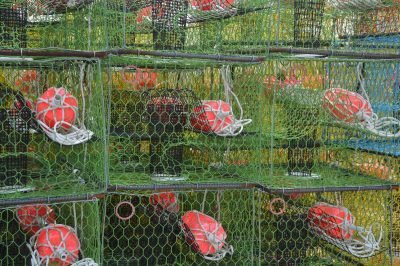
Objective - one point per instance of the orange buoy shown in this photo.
(34, 217)
(57, 107)
(347, 106)
(334, 221)
(57, 244)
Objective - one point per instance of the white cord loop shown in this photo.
(357, 240)
(366, 119)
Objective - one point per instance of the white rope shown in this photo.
(362, 243)
(378, 126)
(75, 135)
(235, 127)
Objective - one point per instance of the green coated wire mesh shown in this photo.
(317, 138)
(180, 228)
(52, 127)
(50, 230)
(67, 24)
(205, 227)
(164, 125)
(326, 228)
(299, 152)
(174, 128)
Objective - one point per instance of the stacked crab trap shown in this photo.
(199, 132)
(52, 138)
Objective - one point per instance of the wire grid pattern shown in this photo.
(287, 238)
(152, 233)
(13, 25)
(146, 135)
(292, 141)
(30, 160)
(312, 147)
(64, 24)
(18, 224)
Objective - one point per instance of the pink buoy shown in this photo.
(347, 106)
(335, 221)
(212, 116)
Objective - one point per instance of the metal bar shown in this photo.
(360, 55)
(103, 54)
(321, 52)
(175, 54)
(53, 53)
(326, 189)
(181, 187)
(49, 200)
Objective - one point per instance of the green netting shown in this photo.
(156, 141)
(33, 157)
(146, 228)
(296, 229)
(294, 139)
(47, 23)
(21, 223)
(188, 110)
(233, 226)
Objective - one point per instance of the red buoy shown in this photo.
(347, 106)
(204, 234)
(57, 106)
(335, 221)
(165, 201)
(212, 116)
(34, 217)
(57, 244)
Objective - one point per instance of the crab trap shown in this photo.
(196, 25)
(183, 122)
(331, 123)
(180, 228)
(47, 234)
(52, 128)
(66, 24)
(322, 25)
(326, 228)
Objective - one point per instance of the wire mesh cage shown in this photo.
(315, 119)
(62, 233)
(180, 227)
(192, 26)
(66, 24)
(308, 16)
(13, 22)
(183, 124)
(326, 228)
(169, 24)
(335, 26)
(52, 127)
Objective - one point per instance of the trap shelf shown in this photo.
(328, 177)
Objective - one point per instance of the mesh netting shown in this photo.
(308, 22)
(13, 24)
(41, 234)
(229, 132)
(45, 146)
(180, 227)
(326, 228)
